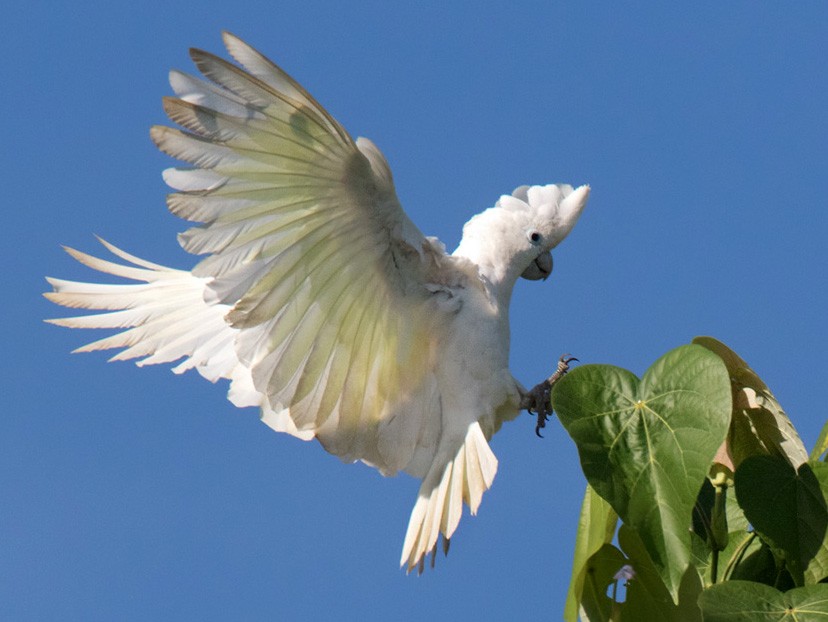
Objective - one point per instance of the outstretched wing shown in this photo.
(307, 242)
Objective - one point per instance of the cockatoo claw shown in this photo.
(537, 400)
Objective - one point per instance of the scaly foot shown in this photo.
(537, 399)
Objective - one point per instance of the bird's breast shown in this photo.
(474, 357)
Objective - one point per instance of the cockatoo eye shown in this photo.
(535, 237)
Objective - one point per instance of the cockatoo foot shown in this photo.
(537, 400)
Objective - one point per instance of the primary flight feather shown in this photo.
(318, 298)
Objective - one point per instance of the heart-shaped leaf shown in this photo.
(788, 509)
(646, 445)
(760, 426)
(746, 601)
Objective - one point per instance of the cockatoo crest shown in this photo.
(318, 298)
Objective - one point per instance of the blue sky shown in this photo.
(137, 494)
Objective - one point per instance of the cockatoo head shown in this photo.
(514, 238)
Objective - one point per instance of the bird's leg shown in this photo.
(537, 400)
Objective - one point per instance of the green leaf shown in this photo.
(759, 564)
(821, 445)
(760, 426)
(596, 527)
(744, 601)
(646, 446)
(736, 520)
(600, 569)
(647, 596)
(788, 509)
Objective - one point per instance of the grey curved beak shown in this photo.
(539, 269)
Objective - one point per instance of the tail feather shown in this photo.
(464, 478)
(164, 316)
(168, 315)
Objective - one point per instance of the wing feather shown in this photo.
(254, 134)
(304, 240)
(303, 119)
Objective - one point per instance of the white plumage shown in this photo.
(318, 298)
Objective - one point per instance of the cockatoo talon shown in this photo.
(563, 367)
(566, 359)
(537, 400)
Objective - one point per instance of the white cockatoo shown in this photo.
(318, 298)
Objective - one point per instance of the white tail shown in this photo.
(439, 505)
(165, 317)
